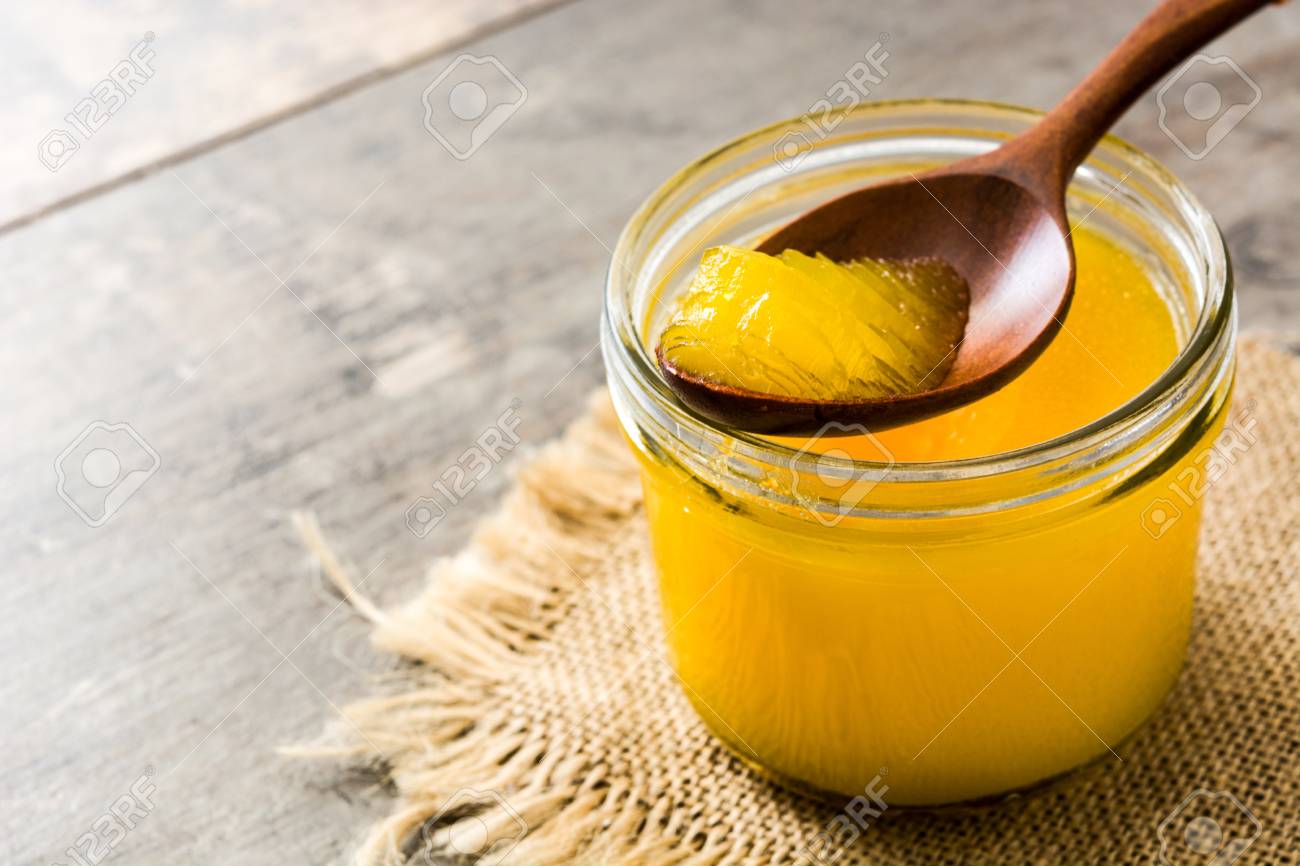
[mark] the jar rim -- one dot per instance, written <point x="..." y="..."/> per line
<point x="1215" y="318"/>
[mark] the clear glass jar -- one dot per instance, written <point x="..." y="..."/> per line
<point x="970" y="627"/>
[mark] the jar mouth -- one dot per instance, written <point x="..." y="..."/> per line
<point x="1204" y="350"/>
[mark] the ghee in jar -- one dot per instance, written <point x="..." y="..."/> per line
<point x="964" y="656"/>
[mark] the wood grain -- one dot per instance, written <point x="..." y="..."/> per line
<point x="217" y="69"/>
<point x="434" y="292"/>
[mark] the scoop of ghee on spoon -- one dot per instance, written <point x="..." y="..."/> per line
<point x="808" y="327"/>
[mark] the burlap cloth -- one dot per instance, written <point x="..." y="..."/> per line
<point x="543" y="686"/>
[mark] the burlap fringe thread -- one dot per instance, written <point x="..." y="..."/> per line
<point x="477" y="627"/>
<point x="645" y="784"/>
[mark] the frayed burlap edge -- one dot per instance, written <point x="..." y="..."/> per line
<point x="480" y="622"/>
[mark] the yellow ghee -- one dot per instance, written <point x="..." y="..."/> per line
<point x="962" y="656"/>
<point x="805" y="326"/>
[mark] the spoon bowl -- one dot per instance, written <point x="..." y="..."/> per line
<point x="1020" y="274"/>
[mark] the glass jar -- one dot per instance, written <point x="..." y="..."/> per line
<point x="970" y="627"/>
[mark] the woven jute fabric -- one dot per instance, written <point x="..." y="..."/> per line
<point x="540" y="713"/>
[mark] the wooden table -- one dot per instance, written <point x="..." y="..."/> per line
<point x="317" y="307"/>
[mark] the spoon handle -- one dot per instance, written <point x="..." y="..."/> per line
<point x="1170" y="34"/>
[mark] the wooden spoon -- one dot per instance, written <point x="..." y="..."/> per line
<point x="999" y="219"/>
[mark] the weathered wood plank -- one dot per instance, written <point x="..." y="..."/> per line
<point x="204" y="70"/>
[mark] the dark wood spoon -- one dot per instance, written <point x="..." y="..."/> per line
<point x="999" y="219"/>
